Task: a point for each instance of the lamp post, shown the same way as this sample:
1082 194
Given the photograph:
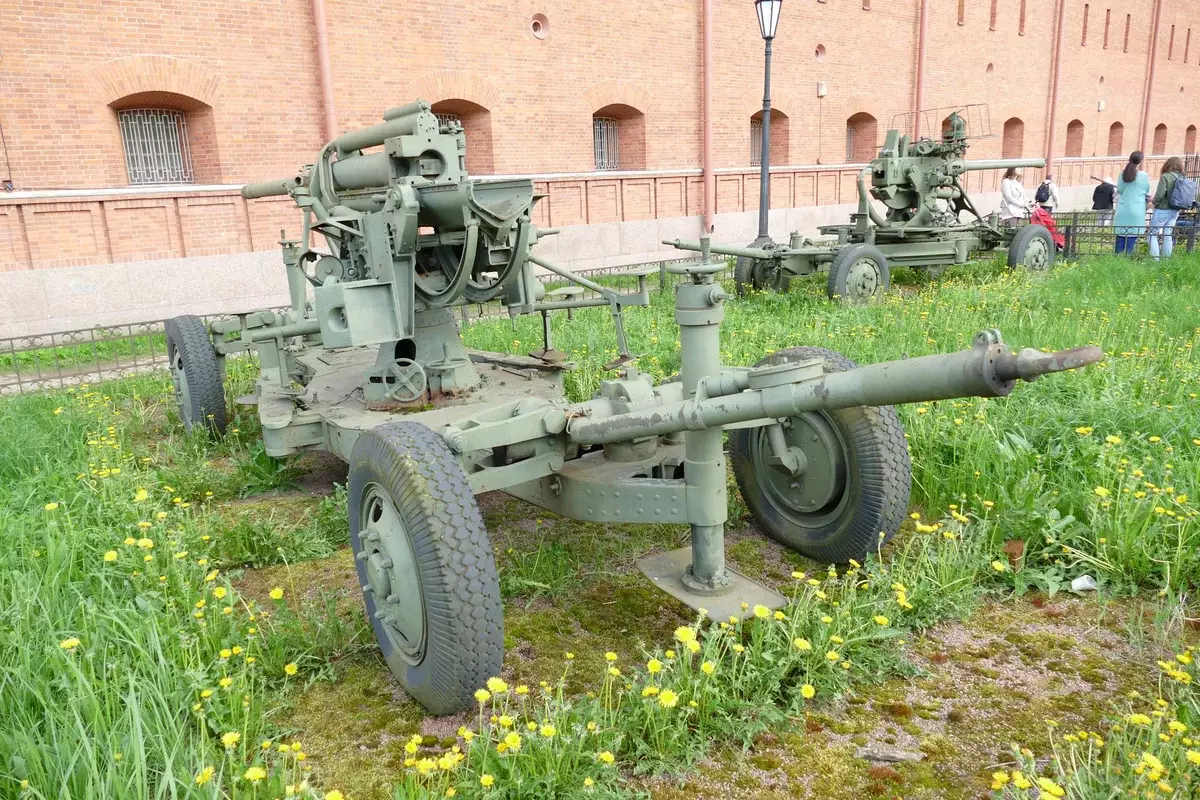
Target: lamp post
768 21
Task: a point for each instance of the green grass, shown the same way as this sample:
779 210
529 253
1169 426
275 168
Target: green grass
102 353
1095 471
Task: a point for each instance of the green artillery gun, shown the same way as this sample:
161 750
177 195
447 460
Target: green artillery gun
919 184
368 364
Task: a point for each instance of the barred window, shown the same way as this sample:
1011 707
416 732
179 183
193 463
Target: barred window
756 142
605 143
448 120
156 145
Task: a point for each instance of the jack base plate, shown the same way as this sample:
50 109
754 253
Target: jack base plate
666 571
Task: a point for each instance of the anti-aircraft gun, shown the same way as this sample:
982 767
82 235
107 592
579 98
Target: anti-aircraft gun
919 184
367 363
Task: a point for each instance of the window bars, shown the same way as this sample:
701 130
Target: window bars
755 143
448 120
605 144
156 145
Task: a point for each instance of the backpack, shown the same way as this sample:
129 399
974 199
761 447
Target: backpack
1183 194
1043 193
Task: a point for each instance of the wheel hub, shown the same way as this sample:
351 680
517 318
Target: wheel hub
391 574
183 397
1036 255
863 279
820 487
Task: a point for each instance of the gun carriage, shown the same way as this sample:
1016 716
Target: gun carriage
919 184
367 363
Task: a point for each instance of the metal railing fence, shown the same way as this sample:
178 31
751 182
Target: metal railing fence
67 358
1090 233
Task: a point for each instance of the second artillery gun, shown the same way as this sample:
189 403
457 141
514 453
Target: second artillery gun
368 364
919 184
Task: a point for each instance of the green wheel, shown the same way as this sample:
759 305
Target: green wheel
196 375
858 274
853 492
425 564
1032 248
751 274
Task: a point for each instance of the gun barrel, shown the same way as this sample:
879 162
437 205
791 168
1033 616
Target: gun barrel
252 191
1003 163
983 371
720 249
399 121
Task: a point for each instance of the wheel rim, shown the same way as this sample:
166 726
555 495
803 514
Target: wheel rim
863 279
391 573
183 397
820 493
1037 255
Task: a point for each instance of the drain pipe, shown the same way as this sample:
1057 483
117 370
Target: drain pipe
324 70
1146 101
922 33
1058 59
706 78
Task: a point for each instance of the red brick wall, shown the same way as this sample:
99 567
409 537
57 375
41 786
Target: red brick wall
246 76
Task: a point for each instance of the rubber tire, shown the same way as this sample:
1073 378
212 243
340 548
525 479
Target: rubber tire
743 275
879 477
189 341
464 616
1020 243
839 271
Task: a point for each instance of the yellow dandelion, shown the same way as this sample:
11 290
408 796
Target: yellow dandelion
685 634
496 686
69 644
204 776
513 740
111 555
667 699
255 774
290 669
482 695
833 655
1100 491
999 566
882 621
654 666
548 731
762 612
230 740
808 691
606 757
51 506
708 668
276 593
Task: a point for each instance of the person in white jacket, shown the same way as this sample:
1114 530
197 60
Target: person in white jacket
1014 205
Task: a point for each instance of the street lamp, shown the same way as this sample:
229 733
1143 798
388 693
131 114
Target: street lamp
768 21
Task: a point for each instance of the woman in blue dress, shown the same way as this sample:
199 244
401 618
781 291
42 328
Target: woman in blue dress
1130 220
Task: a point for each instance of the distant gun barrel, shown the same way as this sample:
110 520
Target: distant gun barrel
1003 163
722 249
986 370
277 188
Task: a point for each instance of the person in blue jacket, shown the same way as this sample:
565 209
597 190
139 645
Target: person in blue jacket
1132 188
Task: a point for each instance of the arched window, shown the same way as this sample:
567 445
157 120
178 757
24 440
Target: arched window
476 122
779 138
167 138
1116 139
1160 140
861 138
1013 144
1074 147
1189 140
619 137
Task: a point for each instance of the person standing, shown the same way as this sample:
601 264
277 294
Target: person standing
1046 195
1168 202
1014 205
1130 219
1103 199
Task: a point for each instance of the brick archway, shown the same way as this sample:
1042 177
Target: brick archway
133 75
614 93
162 82
437 87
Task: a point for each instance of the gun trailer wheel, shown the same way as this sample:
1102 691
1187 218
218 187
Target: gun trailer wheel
859 273
1032 248
195 374
852 493
425 564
